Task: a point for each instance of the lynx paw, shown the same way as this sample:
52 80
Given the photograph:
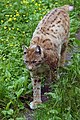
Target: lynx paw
33 104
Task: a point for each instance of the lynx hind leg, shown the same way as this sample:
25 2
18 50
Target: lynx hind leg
63 54
36 93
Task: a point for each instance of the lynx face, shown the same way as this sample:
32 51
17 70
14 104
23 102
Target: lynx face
33 57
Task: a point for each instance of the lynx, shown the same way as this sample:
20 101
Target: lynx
47 48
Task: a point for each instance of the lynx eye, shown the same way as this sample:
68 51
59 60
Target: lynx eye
26 61
33 61
39 61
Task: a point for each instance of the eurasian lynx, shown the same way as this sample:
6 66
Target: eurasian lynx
47 48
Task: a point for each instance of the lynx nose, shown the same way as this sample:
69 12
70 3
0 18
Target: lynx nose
30 67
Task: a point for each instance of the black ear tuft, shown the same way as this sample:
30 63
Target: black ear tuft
38 50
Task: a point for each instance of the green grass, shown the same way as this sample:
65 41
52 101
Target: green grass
18 20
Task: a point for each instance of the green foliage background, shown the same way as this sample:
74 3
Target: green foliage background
18 20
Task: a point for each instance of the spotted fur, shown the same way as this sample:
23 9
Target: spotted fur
47 48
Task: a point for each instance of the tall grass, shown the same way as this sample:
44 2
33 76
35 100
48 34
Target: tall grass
18 20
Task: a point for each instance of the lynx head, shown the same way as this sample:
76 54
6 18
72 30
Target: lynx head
33 56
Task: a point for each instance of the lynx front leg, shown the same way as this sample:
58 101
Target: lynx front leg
63 54
36 93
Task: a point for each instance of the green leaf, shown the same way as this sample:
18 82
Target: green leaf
8 112
18 93
77 42
8 105
20 118
68 116
53 112
30 85
55 118
7 74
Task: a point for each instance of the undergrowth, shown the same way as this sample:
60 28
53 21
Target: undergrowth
18 20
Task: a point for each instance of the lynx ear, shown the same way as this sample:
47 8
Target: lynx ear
38 50
24 48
